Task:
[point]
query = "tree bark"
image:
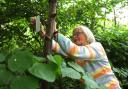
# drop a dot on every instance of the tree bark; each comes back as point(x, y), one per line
point(50, 27)
point(114, 16)
point(105, 3)
point(49, 32)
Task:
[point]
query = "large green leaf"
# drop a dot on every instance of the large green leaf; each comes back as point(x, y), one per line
point(64, 64)
point(2, 66)
point(38, 59)
point(25, 82)
point(20, 61)
point(89, 82)
point(5, 76)
point(50, 57)
point(44, 71)
point(58, 59)
point(2, 57)
point(4, 87)
point(76, 67)
point(69, 72)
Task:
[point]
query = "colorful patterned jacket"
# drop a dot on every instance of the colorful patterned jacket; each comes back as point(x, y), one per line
point(91, 57)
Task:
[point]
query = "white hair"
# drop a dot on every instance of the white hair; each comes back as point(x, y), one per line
point(88, 33)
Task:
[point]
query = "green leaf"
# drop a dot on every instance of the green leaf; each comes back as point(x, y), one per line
point(76, 67)
point(64, 65)
point(2, 66)
point(89, 82)
point(20, 61)
point(44, 71)
point(58, 59)
point(25, 82)
point(69, 72)
point(38, 59)
point(50, 57)
point(2, 57)
point(4, 87)
point(5, 76)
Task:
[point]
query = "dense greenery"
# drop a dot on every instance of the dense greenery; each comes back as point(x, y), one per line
point(22, 70)
point(16, 32)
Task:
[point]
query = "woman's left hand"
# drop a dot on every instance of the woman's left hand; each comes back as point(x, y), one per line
point(42, 32)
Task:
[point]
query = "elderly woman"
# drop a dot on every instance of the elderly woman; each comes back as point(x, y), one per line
point(89, 54)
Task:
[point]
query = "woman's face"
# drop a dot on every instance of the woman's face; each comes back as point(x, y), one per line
point(79, 37)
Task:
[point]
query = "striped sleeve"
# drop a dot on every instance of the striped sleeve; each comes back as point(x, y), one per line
point(113, 84)
point(57, 49)
point(88, 52)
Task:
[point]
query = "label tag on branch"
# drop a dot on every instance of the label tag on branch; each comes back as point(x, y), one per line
point(38, 23)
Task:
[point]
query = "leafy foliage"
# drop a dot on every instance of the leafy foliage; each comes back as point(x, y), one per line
point(20, 77)
point(2, 57)
point(5, 75)
point(20, 61)
point(14, 73)
point(44, 71)
point(69, 72)
point(24, 82)
point(76, 67)
point(90, 84)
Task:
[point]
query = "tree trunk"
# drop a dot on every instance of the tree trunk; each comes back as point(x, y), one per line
point(50, 27)
point(114, 16)
point(49, 32)
point(105, 3)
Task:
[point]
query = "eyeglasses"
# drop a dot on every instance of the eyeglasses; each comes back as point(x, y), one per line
point(77, 33)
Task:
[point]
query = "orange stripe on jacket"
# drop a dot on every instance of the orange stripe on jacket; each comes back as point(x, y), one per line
point(91, 52)
point(73, 50)
point(101, 72)
point(112, 84)
point(56, 47)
